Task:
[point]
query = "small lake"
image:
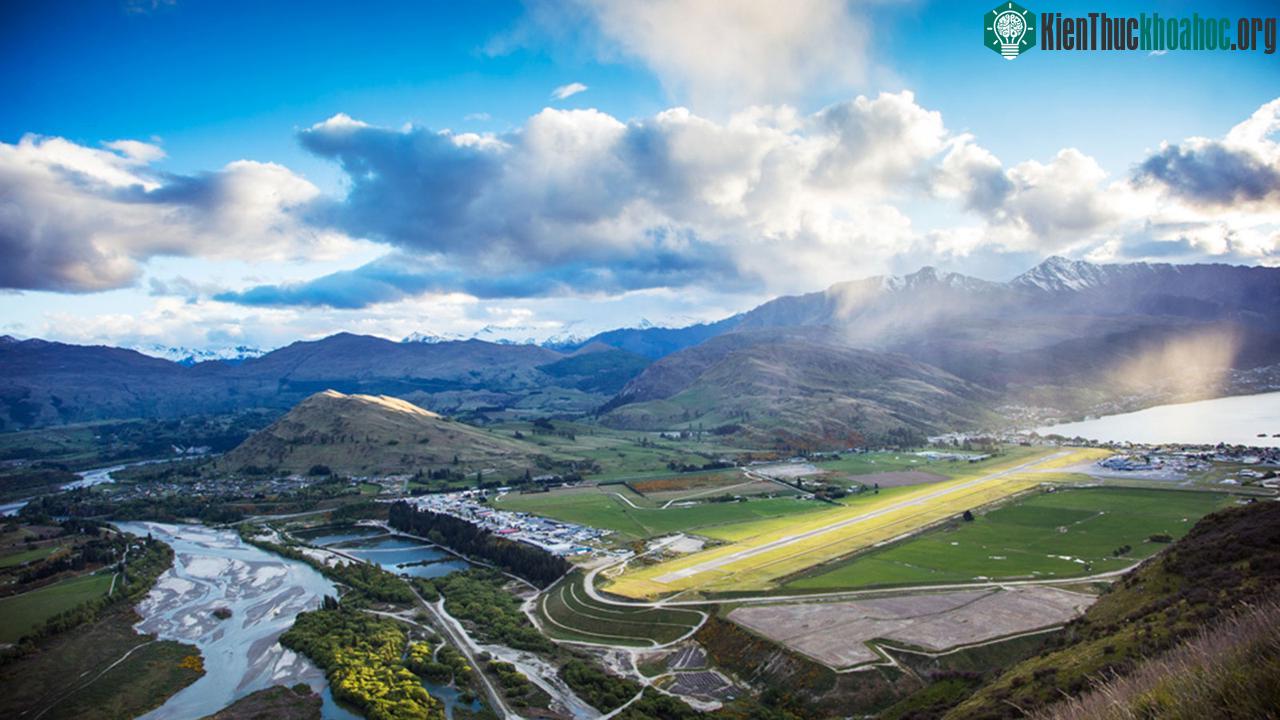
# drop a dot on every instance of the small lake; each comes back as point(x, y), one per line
point(1233, 420)
point(400, 555)
point(403, 556)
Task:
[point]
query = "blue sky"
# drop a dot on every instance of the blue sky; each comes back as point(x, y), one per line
point(245, 213)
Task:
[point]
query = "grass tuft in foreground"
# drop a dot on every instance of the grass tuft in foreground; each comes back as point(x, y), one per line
point(1229, 670)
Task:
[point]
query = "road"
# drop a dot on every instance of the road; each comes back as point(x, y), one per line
point(462, 641)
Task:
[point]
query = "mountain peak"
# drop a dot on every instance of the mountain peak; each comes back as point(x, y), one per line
point(1060, 274)
point(930, 276)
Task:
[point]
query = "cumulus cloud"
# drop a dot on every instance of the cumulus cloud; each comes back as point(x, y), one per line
point(1241, 168)
point(567, 91)
point(717, 57)
point(81, 219)
point(577, 200)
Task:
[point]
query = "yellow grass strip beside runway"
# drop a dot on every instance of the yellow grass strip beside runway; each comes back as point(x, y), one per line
point(755, 563)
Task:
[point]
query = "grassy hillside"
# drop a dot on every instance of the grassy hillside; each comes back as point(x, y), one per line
point(366, 435)
point(795, 391)
point(1230, 669)
point(1229, 560)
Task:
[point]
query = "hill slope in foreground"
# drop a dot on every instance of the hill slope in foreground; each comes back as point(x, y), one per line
point(368, 434)
point(1190, 607)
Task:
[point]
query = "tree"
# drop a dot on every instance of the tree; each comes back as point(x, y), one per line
point(968, 516)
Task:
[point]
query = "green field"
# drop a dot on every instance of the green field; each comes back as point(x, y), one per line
point(621, 454)
point(22, 613)
point(76, 673)
point(877, 462)
point(567, 613)
point(22, 556)
point(1066, 533)
point(602, 507)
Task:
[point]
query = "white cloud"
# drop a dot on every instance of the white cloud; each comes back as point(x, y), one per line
point(578, 202)
point(75, 218)
point(721, 56)
point(567, 91)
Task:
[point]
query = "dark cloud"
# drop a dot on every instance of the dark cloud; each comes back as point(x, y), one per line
point(398, 276)
point(415, 189)
point(1211, 173)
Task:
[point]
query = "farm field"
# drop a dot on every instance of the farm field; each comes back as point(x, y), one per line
point(1066, 533)
point(604, 507)
point(620, 454)
point(855, 464)
point(566, 612)
point(702, 485)
point(759, 562)
point(22, 556)
point(20, 614)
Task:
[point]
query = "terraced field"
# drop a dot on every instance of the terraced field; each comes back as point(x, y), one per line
point(566, 612)
point(756, 563)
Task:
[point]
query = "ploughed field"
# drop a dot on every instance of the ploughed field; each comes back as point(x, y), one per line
point(1061, 534)
point(757, 562)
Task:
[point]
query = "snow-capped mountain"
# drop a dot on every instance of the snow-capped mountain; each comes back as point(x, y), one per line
point(191, 356)
point(500, 335)
point(929, 276)
point(431, 338)
point(1059, 274)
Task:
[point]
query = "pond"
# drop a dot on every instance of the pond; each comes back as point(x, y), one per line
point(403, 556)
point(1239, 420)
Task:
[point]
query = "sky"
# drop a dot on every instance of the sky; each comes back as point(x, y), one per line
point(206, 174)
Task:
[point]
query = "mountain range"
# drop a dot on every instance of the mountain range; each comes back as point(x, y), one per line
point(926, 351)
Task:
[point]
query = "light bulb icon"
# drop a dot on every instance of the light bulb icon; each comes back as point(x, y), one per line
point(1009, 27)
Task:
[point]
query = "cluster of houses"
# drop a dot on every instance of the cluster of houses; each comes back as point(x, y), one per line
point(554, 536)
point(1179, 463)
